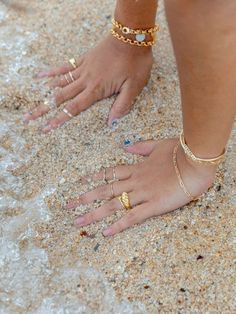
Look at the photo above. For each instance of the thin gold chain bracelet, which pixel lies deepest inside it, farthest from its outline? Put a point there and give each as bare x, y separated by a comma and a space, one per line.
181, 183
207, 161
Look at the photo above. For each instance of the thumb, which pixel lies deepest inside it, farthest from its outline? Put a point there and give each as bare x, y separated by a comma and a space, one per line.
123, 102
144, 148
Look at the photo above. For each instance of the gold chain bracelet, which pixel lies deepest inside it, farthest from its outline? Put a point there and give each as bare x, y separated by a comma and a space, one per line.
127, 30
131, 41
140, 34
181, 183
207, 161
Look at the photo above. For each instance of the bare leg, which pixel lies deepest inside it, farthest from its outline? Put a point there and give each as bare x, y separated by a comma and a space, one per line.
203, 34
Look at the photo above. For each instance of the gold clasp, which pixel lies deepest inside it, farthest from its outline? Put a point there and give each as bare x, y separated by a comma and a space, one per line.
125, 30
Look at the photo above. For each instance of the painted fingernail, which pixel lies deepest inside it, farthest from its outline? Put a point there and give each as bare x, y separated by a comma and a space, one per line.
80, 221
108, 232
114, 123
70, 205
127, 143
42, 74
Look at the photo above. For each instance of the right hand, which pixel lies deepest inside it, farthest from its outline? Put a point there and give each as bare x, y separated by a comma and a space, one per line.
112, 67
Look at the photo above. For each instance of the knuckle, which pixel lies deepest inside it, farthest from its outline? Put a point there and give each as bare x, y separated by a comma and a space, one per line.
112, 204
102, 191
131, 218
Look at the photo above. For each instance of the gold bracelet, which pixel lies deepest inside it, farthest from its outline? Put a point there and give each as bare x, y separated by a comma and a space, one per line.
207, 161
140, 34
181, 183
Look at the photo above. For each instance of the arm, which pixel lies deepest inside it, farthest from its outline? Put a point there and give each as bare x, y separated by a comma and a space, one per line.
136, 14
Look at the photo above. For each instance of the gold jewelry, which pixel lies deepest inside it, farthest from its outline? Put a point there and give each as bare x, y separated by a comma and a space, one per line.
125, 201
190, 155
68, 113
72, 61
140, 34
71, 76
114, 173
66, 78
181, 183
105, 175
112, 190
50, 104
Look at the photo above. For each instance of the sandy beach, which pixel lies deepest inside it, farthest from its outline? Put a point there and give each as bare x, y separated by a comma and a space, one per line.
182, 262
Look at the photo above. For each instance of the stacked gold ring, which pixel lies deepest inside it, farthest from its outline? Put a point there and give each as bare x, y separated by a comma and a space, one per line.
125, 201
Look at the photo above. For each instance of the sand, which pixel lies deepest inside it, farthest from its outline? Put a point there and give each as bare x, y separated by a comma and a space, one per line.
182, 262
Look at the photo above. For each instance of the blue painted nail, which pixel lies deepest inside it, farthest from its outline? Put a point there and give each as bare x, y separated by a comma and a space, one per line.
114, 123
127, 142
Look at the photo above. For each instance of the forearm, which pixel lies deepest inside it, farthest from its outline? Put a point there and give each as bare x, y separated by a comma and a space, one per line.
136, 13
203, 35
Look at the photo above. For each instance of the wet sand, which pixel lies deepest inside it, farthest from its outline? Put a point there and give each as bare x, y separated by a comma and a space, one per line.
182, 262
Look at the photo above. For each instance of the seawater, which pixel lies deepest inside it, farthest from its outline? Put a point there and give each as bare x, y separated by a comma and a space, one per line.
27, 282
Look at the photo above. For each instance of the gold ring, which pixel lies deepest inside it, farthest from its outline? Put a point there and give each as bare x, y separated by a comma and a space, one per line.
50, 104
72, 61
125, 201
68, 113
65, 76
71, 76
112, 190
105, 175
114, 173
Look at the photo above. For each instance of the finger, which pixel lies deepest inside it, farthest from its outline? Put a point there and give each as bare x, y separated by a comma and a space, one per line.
65, 79
144, 148
111, 173
104, 192
135, 216
78, 104
105, 210
59, 70
35, 113
68, 92
123, 102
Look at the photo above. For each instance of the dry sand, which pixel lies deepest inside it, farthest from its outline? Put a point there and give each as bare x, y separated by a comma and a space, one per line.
183, 262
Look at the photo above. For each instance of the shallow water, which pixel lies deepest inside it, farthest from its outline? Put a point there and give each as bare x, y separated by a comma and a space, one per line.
28, 282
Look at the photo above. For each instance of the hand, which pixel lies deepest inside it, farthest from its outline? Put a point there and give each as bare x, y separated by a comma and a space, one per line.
112, 67
152, 186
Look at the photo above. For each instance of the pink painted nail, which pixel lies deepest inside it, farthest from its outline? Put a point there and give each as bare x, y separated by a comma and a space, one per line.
80, 221
70, 205
108, 232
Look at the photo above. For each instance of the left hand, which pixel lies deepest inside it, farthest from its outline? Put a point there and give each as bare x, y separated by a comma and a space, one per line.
152, 186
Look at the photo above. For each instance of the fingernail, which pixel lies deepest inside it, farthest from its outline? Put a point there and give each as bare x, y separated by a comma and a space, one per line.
46, 129
25, 121
42, 74
114, 123
108, 232
80, 221
70, 205
127, 143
